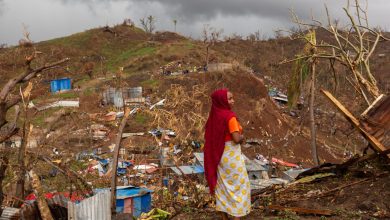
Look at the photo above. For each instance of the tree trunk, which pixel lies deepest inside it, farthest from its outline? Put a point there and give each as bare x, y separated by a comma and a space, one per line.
3, 113
115, 161
207, 55
39, 193
3, 167
27, 128
312, 121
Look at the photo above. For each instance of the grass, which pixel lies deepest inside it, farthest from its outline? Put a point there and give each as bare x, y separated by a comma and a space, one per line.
88, 91
67, 95
116, 61
39, 119
141, 118
78, 40
189, 45
151, 83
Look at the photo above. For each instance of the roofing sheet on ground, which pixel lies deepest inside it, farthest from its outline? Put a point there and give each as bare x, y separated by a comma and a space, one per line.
188, 169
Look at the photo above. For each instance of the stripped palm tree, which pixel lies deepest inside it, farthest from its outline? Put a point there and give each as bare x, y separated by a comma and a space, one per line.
305, 66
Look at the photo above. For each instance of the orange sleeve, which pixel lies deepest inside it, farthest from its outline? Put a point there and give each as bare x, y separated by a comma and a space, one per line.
234, 126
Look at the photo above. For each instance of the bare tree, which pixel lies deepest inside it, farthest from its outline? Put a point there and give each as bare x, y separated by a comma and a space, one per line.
8, 100
26, 41
210, 36
148, 24
351, 46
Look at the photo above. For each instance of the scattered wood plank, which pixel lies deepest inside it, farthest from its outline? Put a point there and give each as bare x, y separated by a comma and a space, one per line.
372, 105
329, 192
300, 210
373, 141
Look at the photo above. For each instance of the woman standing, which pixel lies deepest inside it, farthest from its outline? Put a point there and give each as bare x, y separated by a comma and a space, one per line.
225, 170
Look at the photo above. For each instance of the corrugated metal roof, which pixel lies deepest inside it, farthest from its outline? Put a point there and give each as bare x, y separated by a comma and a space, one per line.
188, 169
377, 121
97, 207
10, 213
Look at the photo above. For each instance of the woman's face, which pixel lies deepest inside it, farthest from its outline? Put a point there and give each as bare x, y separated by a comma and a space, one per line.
230, 99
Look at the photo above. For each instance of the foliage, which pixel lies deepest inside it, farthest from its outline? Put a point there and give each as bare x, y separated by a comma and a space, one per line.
299, 75
301, 70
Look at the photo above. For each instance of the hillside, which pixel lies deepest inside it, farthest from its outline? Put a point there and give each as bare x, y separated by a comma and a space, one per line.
123, 56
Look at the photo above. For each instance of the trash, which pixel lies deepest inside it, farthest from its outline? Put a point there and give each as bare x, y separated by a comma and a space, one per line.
85, 155
255, 170
146, 168
56, 151
125, 135
176, 150
196, 144
309, 179
291, 174
253, 141
261, 159
60, 104
264, 183
165, 181
31, 105
199, 158
99, 131
188, 169
157, 132
155, 214
165, 160
111, 147
111, 116
159, 103
120, 114
283, 163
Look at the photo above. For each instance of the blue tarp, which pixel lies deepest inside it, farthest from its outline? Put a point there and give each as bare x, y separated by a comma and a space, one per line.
62, 84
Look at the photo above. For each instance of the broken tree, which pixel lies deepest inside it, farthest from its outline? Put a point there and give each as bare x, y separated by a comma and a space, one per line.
9, 100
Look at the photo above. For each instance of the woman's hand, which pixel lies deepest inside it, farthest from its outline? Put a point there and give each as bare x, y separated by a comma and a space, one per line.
242, 139
237, 137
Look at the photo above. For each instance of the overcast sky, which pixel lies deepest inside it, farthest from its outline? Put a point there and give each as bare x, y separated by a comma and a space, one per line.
47, 19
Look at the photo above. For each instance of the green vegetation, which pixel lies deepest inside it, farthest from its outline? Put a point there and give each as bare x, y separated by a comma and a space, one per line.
79, 40
88, 91
39, 119
67, 95
151, 83
118, 56
141, 118
189, 45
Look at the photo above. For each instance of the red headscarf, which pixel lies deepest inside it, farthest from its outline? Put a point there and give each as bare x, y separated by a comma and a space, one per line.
216, 130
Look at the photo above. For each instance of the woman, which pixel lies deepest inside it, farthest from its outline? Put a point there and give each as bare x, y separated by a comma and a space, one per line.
225, 170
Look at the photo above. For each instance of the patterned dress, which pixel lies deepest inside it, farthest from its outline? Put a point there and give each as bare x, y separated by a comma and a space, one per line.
232, 191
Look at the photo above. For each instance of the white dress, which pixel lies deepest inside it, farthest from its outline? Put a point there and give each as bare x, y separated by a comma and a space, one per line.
232, 191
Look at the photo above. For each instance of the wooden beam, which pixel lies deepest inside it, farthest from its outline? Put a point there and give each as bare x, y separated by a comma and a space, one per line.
372, 105
300, 210
377, 145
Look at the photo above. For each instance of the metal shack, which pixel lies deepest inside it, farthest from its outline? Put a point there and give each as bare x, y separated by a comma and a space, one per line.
59, 85
133, 200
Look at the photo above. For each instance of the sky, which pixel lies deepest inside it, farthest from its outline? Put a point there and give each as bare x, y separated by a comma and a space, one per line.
48, 19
